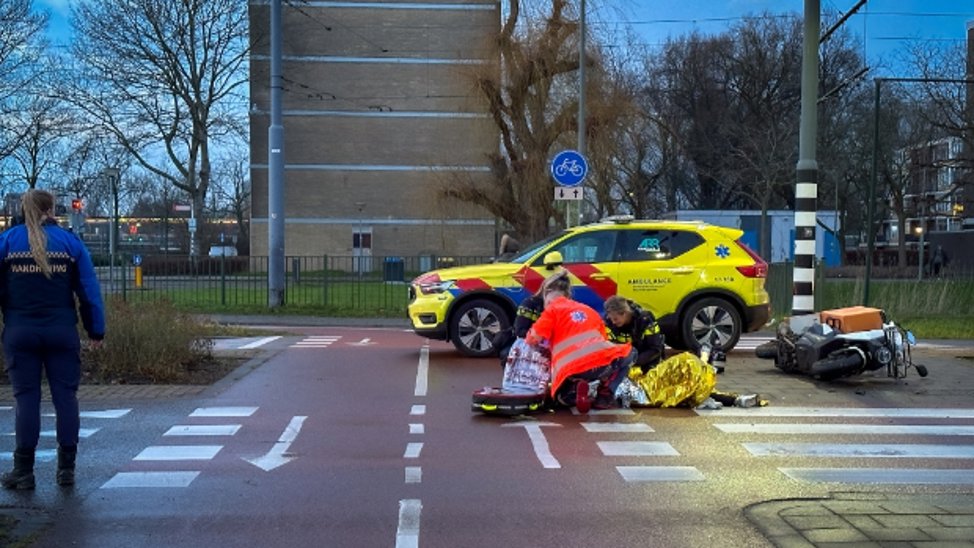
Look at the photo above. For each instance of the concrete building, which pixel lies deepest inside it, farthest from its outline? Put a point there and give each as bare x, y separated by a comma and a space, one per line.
380, 111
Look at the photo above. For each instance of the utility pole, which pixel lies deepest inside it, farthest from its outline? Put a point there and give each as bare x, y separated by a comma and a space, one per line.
275, 168
581, 106
806, 188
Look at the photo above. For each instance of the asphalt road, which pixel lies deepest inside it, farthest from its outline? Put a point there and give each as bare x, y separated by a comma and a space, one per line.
364, 437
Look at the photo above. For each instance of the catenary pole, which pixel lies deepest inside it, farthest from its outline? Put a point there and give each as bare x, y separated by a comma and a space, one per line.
806, 188
569, 205
275, 172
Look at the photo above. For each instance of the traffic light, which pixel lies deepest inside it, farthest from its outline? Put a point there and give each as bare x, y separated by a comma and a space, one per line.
76, 205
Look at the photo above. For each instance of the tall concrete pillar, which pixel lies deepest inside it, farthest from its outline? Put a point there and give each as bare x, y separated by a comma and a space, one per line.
806, 188
966, 197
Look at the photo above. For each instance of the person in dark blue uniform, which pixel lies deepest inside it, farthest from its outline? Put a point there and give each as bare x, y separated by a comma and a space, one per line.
43, 267
627, 322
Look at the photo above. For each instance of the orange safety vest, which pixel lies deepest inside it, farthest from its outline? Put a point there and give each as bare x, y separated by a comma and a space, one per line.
577, 337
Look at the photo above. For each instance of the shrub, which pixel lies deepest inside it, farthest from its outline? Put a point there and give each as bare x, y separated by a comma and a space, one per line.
150, 342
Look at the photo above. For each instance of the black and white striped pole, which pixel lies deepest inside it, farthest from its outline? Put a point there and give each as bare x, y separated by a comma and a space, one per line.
806, 188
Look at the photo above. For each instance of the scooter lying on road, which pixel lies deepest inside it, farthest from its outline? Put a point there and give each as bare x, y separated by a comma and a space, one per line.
825, 352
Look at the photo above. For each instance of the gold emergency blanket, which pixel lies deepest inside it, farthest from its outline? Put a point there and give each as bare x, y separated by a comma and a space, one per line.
679, 380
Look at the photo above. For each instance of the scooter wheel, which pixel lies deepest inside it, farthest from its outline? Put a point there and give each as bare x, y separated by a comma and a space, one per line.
921, 370
836, 366
767, 351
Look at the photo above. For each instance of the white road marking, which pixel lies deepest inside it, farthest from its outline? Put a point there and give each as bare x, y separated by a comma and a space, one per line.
407, 533
422, 372
637, 449
277, 456
82, 433
413, 450
223, 412
259, 342
539, 442
363, 342
178, 452
417, 410
634, 427
599, 412
659, 473
414, 474
861, 450
925, 476
925, 412
316, 341
203, 430
106, 414
40, 455
852, 429
150, 479
417, 428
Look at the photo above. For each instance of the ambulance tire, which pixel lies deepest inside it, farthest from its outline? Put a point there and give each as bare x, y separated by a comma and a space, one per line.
474, 325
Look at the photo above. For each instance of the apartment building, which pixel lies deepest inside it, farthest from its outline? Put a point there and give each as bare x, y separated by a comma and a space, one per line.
380, 111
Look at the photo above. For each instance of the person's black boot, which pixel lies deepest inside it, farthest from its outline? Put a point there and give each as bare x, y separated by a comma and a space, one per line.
65, 465
22, 476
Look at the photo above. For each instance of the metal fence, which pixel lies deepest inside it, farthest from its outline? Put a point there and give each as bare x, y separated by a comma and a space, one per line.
361, 286
341, 285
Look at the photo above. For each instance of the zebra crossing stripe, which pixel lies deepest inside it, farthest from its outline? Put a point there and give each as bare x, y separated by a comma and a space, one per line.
40, 455
150, 479
635, 474
925, 476
862, 450
82, 433
223, 412
316, 342
919, 412
203, 430
259, 342
637, 449
852, 429
613, 427
178, 452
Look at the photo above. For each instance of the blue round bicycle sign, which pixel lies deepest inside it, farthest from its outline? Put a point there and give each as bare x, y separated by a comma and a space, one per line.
569, 168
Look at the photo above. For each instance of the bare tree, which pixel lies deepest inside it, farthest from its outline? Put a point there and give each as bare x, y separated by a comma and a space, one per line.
161, 77
531, 94
21, 50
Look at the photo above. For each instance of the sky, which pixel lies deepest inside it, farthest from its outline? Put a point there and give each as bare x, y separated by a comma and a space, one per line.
885, 25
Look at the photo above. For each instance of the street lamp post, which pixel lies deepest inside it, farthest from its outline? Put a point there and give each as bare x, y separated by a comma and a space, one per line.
922, 230
112, 175
361, 239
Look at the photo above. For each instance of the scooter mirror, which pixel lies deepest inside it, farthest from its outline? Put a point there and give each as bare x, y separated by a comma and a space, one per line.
910, 338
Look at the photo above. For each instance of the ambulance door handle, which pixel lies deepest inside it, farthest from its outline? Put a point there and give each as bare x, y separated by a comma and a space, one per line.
683, 270
600, 276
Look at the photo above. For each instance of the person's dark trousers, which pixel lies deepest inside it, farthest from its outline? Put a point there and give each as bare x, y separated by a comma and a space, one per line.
56, 349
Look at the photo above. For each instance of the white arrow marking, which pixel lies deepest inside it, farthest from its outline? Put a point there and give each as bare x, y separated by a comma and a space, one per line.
277, 455
539, 442
363, 342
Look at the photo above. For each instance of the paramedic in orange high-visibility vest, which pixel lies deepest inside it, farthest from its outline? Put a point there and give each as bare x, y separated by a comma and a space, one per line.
580, 352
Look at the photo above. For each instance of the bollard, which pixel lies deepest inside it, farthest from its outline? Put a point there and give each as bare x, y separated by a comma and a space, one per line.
138, 277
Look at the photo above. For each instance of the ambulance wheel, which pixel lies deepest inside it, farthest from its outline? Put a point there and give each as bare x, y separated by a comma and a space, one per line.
708, 317
474, 326
921, 370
